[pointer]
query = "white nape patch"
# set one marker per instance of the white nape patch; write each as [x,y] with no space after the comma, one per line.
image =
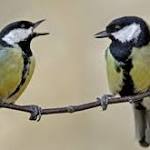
[128,33]
[17,35]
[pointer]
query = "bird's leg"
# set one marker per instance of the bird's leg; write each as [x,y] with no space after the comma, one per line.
[34,110]
[131,101]
[104,100]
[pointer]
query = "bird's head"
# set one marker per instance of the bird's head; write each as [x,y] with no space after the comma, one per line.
[128,29]
[20,33]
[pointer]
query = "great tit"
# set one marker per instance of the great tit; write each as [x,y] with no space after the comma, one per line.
[128,66]
[16,60]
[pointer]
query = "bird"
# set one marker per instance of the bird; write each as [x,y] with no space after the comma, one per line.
[17,61]
[128,67]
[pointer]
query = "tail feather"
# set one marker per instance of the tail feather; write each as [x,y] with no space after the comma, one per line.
[147,131]
[142,124]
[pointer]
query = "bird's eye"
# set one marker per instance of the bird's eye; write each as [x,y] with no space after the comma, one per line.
[22,25]
[117,27]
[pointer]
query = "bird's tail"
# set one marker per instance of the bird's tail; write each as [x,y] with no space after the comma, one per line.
[142,124]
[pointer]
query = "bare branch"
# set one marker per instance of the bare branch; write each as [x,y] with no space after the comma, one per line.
[80,107]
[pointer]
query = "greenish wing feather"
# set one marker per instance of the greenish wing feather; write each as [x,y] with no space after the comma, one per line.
[141,68]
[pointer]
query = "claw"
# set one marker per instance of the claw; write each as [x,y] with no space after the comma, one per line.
[104,101]
[131,100]
[35,113]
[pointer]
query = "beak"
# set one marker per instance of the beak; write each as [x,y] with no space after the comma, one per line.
[102,34]
[35,25]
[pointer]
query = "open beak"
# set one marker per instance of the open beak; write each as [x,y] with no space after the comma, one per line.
[35,25]
[102,34]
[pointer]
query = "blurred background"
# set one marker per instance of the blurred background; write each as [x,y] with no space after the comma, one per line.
[70,70]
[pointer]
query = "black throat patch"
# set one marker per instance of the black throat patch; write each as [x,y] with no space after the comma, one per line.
[25,46]
[120,51]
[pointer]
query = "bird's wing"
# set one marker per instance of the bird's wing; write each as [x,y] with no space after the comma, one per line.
[140,72]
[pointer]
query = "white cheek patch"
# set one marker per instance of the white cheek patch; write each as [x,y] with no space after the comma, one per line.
[17,35]
[128,33]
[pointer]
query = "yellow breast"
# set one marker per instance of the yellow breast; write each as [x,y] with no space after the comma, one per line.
[11,67]
[140,72]
[141,68]
[115,76]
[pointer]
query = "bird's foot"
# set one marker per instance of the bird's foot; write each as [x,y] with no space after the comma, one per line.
[35,111]
[104,100]
[131,101]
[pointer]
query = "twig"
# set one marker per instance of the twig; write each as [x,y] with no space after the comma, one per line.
[80,107]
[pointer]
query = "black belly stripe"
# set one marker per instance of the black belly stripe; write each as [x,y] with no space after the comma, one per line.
[128,85]
[121,53]
[24,74]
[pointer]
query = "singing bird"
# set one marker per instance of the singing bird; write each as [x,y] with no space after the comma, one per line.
[128,66]
[17,61]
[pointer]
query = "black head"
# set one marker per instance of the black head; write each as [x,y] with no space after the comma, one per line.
[20,32]
[128,29]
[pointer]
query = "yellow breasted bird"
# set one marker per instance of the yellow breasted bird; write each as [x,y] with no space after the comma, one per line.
[128,66]
[16,60]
